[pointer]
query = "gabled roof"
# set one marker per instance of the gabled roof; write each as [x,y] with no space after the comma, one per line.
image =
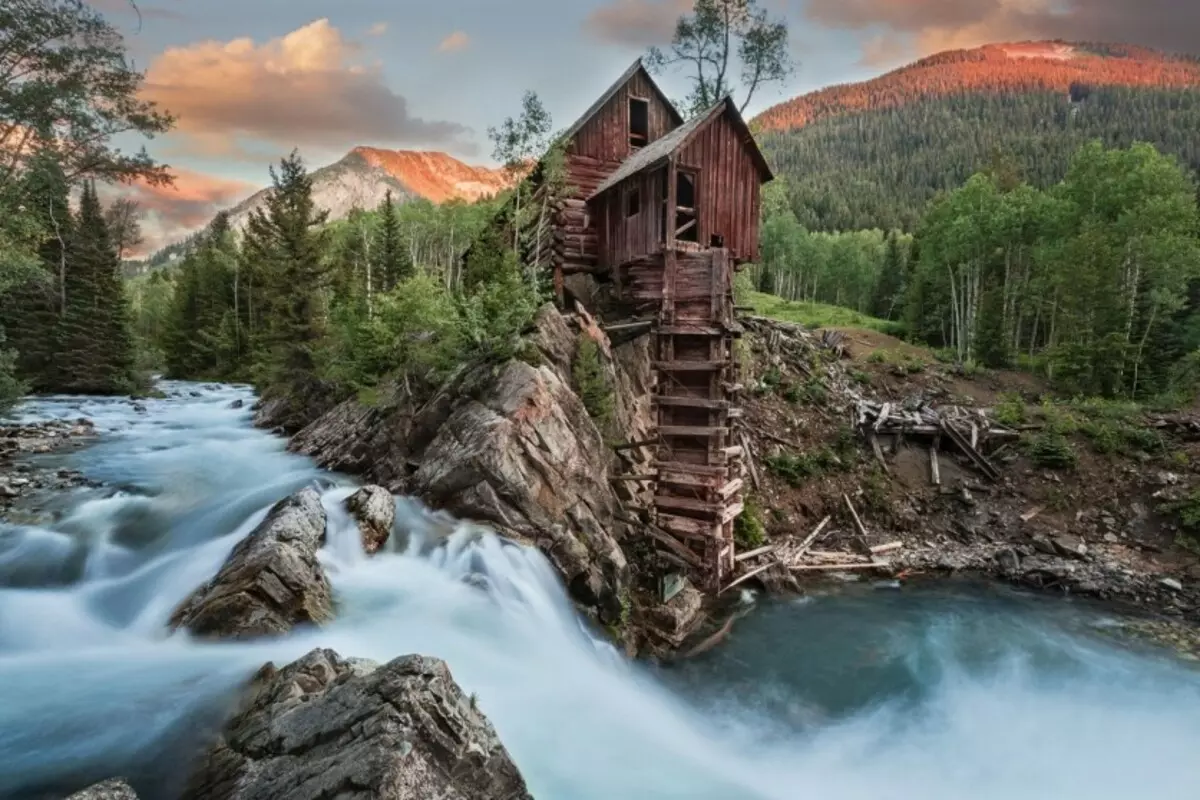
[626,76]
[658,151]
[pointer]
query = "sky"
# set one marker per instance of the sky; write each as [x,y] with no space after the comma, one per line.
[249,80]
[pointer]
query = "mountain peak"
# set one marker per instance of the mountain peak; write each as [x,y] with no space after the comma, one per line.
[1000,67]
[434,175]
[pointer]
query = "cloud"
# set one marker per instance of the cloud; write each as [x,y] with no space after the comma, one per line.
[885,50]
[933,25]
[170,213]
[454,42]
[639,23]
[378,29]
[306,89]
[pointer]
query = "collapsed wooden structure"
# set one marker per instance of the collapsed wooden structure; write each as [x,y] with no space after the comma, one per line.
[665,211]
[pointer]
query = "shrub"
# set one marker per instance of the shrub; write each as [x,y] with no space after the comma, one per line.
[748,529]
[1011,410]
[591,382]
[1051,450]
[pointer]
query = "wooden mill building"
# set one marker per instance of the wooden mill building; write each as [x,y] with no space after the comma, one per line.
[666,210]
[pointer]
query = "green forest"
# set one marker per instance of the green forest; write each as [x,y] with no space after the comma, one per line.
[879,169]
[1093,282]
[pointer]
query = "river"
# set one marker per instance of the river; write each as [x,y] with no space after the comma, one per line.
[945,692]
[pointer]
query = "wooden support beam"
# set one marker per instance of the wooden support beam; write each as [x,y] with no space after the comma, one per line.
[632,477]
[691,366]
[691,430]
[675,546]
[840,567]
[689,402]
[748,576]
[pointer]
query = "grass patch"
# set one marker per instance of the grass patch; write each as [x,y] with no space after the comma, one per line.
[1011,410]
[816,315]
[796,469]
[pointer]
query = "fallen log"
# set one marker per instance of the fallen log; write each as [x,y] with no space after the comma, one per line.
[886,548]
[858,526]
[851,567]
[748,576]
[762,551]
[812,537]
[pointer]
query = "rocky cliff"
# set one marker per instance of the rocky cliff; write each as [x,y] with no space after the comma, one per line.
[514,447]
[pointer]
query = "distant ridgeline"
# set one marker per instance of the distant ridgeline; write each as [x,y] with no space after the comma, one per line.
[873,154]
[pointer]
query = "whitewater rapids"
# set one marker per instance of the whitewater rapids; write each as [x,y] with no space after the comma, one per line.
[939,695]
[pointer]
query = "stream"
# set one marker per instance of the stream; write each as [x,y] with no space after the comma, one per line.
[940,692]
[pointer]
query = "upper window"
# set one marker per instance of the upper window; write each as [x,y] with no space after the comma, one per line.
[639,122]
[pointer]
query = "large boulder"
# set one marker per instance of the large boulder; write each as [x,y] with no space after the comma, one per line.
[326,727]
[525,457]
[272,580]
[374,510]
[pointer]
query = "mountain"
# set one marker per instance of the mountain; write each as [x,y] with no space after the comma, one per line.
[361,179]
[873,154]
[365,174]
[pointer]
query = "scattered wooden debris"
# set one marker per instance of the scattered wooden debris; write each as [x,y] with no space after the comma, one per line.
[812,537]
[858,525]
[879,550]
[969,430]
[761,551]
[846,567]
[749,575]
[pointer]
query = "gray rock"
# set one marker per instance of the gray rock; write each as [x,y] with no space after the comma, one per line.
[324,727]
[1009,561]
[1111,538]
[374,509]
[272,580]
[109,790]
[239,403]
[1172,584]
[1069,546]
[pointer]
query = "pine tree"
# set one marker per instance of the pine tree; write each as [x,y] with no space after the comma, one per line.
[890,286]
[96,350]
[286,241]
[394,259]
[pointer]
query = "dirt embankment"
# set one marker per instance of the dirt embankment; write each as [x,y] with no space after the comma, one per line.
[1083,498]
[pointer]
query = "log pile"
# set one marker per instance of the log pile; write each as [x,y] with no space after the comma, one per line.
[966,430]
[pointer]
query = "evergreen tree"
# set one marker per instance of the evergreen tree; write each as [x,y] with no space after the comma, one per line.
[890,286]
[288,244]
[95,343]
[394,261]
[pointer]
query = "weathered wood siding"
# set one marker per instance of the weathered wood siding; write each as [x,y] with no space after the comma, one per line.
[622,238]
[728,188]
[605,137]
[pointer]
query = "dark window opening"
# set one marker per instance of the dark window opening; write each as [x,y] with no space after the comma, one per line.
[687,223]
[717,240]
[633,203]
[639,122]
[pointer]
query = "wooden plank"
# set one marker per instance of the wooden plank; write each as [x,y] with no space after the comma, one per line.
[691,430]
[672,502]
[731,488]
[862,531]
[690,366]
[811,538]
[635,445]
[840,567]
[748,576]
[761,551]
[675,546]
[688,527]
[689,402]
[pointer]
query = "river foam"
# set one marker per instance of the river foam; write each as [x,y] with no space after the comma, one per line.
[870,695]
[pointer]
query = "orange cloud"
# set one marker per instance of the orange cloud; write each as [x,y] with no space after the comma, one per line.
[170,213]
[639,23]
[308,88]
[454,42]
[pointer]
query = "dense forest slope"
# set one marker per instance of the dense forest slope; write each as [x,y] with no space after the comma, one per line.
[873,154]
